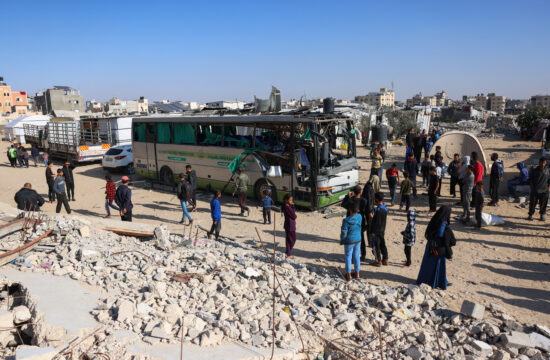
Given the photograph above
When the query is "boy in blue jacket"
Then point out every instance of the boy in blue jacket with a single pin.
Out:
(350, 237)
(216, 213)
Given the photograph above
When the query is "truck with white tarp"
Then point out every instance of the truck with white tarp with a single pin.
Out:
(15, 129)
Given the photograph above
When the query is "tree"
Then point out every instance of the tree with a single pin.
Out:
(527, 119)
(402, 122)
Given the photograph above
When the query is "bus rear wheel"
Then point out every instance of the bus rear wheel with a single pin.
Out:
(262, 185)
(166, 176)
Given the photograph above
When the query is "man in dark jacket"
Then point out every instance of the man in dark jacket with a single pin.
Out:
(50, 178)
(453, 171)
(496, 177)
(354, 200)
(368, 195)
(379, 230)
(192, 180)
(409, 138)
(123, 198)
(478, 197)
(28, 199)
(417, 147)
(540, 185)
(411, 166)
(69, 180)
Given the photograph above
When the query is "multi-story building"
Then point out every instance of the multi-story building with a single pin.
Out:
(224, 104)
(116, 106)
(496, 103)
(421, 100)
(541, 101)
(60, 98)
(382, 98)
(12, 101)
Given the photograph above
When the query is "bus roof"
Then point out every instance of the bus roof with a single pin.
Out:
(243, 119)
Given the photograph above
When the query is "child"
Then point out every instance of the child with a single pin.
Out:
(425, 169)
(409, 236)
(216, 213)
(266, 206)
(290, 224)
(478, 197)
(433, 186)
(379, 230)
(110, 190)
(392, 174)
(407, 187)
(45, 156)
(432, 161)
(350, 237)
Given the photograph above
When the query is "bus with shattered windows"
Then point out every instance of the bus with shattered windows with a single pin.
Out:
(313, 157)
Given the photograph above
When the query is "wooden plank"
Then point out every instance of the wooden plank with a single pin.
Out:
(127, 232)
(22, 250)
(11, 227)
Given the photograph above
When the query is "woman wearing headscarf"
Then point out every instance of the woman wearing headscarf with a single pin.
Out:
(433, 270)
(371, 187)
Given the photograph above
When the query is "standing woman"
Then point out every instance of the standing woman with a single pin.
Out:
(289, 212)
(433, 270)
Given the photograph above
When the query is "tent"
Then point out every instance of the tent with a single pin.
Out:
(459, 142)
(14, 129)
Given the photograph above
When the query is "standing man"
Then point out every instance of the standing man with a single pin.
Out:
(466, 192)
(69, 179)
(192, 180)
(478, 168)
(123, 198)
(417, 148)
(13, 156)
(496, 177)
(411, 166)
(241, 188)
(478, 197)
(60, 194)
(110, 191)
(184, 194)
(376, 163)
(379, 230)
(35, 154)
(28, 199)
(50, 178)
(409, 138)
(540, 185)
(453, 171)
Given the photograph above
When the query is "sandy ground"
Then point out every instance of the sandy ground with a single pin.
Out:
(508, 264)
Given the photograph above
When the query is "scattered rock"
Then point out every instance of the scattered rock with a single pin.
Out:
(472, 309)
(21, 314)
(26, 352)
(516, 340)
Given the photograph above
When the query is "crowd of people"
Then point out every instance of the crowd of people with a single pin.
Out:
(18, 156)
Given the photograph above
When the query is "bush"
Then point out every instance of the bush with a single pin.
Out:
(527, 120)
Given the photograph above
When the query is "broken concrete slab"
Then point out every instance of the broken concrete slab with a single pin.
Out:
(540, 342)
(516, 340)
(26, 352)
(21, 314)
(472, 309)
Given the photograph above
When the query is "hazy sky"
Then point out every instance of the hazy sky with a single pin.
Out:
(213, 50)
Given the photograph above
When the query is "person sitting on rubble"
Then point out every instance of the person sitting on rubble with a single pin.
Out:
(28, 199)
(521, 179)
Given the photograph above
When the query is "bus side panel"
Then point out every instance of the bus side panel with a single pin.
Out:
(139, 151)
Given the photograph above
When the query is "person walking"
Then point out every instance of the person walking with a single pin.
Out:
(439, 173)
(433, 270)
(123, 198)
(466, 191)
(409, 236)
(376, 163)
(50, 178)
(540, 185)
(183, 193)
(60, 194)
(453, 168)
(267, 202)
(28, 199)
(379, 230)
(478, 167)
(241, 188)
(20, 156)
(289, 212)
(193, 184)
(425, 169)
(406, 191)
(461, 175)
(495, 178)
(382, 153)
(429, 145)
(392, 175)
(35, 154)
(110, 191)
(478, 197)
(69, 179)
(25, 155)
(216, 214)
(350, 237)
(13, 156)
(433, 186)
(46, 158)
(417, 148)
(411, 167)
(368, 195)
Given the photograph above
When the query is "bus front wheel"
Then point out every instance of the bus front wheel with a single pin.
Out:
(166, 176)
(261, 186)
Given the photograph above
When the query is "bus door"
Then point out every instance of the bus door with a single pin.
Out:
(151, 149)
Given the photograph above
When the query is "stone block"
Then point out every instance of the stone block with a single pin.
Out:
(516, 340)
(84, 231)
(482, 347)
(414, 353)
(472, 309)
(125, 310)
(6, 319)
(21, 314)
(25, 352)
(540, 342)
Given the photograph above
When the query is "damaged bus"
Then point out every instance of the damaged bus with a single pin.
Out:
(311, 156)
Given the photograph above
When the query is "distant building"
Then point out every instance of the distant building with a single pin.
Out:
(94, 106)
(515, 106)
(541, 100)
(115, 106)
(12, 101)
(62, 98)
(382, 98)
(421, 100)
(224, 104)
(496, 103)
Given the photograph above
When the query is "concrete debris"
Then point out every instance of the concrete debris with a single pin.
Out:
(229, 298)
(26, 352)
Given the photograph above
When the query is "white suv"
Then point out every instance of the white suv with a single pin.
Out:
(119, 158)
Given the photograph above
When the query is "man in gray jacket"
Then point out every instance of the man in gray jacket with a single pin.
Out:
(241, 188)
(59, 187)
(467, 187)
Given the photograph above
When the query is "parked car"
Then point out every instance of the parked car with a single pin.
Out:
(119, 158)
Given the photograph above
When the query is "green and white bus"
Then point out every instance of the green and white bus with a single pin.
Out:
(280, 153)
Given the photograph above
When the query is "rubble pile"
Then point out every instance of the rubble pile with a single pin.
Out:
(223, 292)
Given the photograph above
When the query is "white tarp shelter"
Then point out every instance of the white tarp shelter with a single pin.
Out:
(14, 129)
(459, 142)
